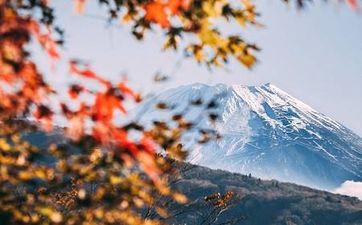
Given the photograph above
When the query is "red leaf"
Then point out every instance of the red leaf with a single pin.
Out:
(147, 144)
(45, 116)
(73, 68)
(127, 90)
(42, 111)
(103, 109)
(352, 3)
(174, 5)
(104, 106)
(75, 90)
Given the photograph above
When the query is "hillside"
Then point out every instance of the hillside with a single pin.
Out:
(251, 201)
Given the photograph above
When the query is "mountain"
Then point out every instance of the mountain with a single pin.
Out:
(224, 198)
(265, 132)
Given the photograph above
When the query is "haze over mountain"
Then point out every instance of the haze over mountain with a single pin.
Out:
(265, 132)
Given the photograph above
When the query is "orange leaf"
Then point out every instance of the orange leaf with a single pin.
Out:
(79, 6)
(176, 5)
(147, 144)
(126, 90)
(101, 132)
(121, 137)
(156, 12)
(149, 166)
(44, 39)
(103, 109)
(73, 68)
(76, 128)
(104, 106)
(186, 4)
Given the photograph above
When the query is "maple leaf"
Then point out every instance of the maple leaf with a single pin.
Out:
(104, 106)
(156, 12)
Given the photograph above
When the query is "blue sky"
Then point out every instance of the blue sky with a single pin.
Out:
(315, 55)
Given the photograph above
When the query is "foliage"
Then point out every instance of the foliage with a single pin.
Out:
(106, 171)
(73, 184)
(196, 19)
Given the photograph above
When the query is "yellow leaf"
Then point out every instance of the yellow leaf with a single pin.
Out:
(180, 198)
(115, 180)
(56, 217)
(247, 60)
(199, 55)
(4, 145)
(162, 212)
(213, 8)
(24, 175)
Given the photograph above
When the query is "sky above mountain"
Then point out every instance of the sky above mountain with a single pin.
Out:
(314, 55)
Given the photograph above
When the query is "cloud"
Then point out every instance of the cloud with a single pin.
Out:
(351, 188)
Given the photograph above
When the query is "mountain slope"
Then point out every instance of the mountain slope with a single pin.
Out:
(220, 197)
(265, 132)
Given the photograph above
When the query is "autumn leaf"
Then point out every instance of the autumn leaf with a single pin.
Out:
(149, 166)
(45, 39)
(180, 198)
(147, 144)
(76, 128)
(185, 4)
(88, 73)
(247, 59)
(44, 114)
(156, 12)
(79, 6)
(352, 3)
(176, 5)
(122, 86)
(75, 90)
(104, 107)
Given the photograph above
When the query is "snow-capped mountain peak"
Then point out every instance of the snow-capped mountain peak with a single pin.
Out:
(266, 132)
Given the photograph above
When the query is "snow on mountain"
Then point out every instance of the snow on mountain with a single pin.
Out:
(265, 132)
